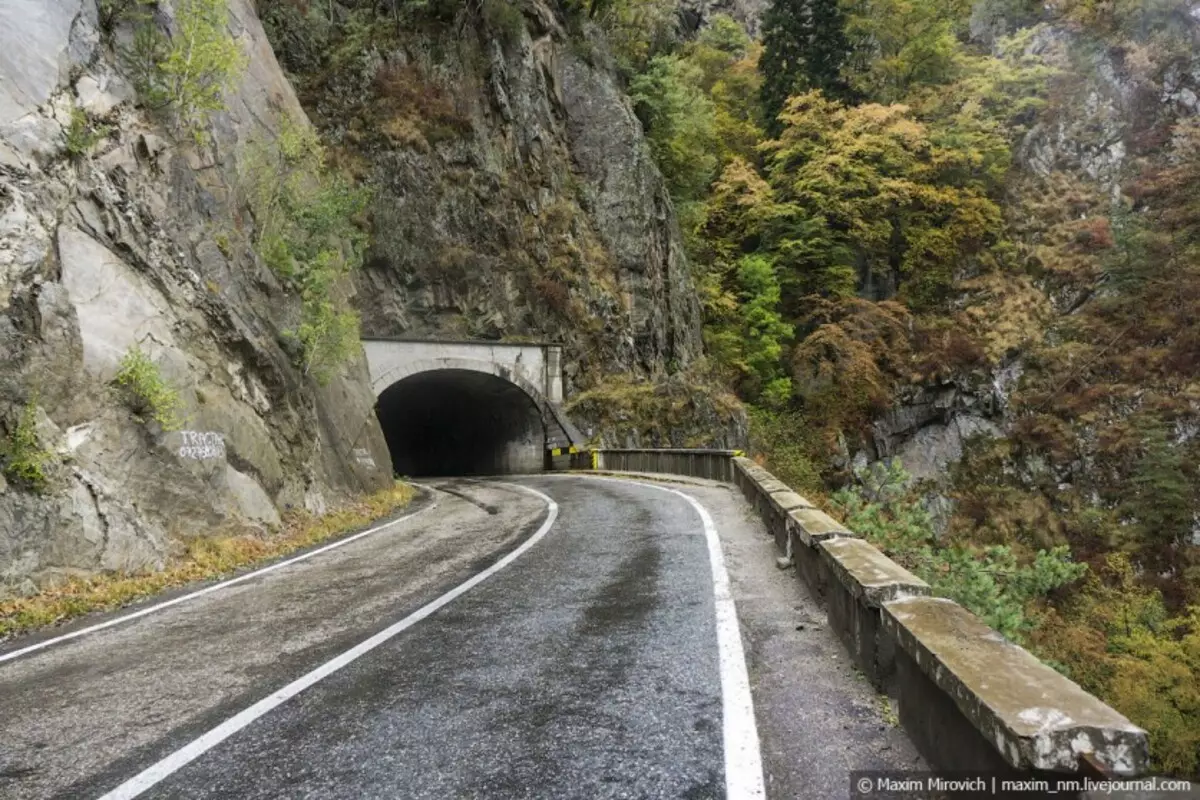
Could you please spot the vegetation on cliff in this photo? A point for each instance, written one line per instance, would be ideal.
(26, 461)
(185, 71)
(147, 393)
(871, 228)
(309, 234)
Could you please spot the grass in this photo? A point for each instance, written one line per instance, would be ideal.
(205, 558)
(147, 392)
(888, 711)
(82, 135)
(25, 461)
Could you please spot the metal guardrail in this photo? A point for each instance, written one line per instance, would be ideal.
(714, 465)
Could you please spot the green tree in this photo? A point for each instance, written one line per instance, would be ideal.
(189, 70)
(804, 48)
(308, 234)
(865, 190)
(786, 29)
(1161, 493)
(726, 34)
(750, 342)
(899, 45)
(637, 30)
(717, 48)
(679, 119)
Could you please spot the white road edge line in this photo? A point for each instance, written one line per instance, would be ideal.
(208, 589)
(743, 758)
(190, 752)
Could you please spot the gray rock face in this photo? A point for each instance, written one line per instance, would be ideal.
(144, 241)
(934, 448)
(36, 52)
(520, 201)
(697, 13)
(630, 208)
(1108, 106)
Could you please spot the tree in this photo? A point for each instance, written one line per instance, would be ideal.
(828, 50)
(866, 191)
(804, 47)
(190, 70)
(899, 45)
(717, 48)
(637, 30)
(307, 217)
(1161, 494)
(786, 28)
(750, 341)
(678, 118)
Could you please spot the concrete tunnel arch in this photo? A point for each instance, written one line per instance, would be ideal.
(458, 416)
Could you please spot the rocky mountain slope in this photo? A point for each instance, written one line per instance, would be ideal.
(133, 239)
(516, 196)
(516, 199)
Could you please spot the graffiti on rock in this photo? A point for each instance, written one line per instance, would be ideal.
(202, 445)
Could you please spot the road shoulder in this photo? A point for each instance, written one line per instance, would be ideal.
(818, 718)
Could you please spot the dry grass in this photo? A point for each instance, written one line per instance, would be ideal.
(205, 558)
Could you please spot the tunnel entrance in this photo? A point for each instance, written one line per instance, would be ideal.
(459, 422)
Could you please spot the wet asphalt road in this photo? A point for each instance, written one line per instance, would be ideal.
(587, 668)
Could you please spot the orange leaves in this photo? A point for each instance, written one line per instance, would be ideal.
(844, 369)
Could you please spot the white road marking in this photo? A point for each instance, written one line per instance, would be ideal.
(207, 590)
(188, 753)
(743, 758)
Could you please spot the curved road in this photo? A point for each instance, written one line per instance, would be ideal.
(573, 649)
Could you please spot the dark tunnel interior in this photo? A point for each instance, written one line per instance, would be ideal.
(458, 422)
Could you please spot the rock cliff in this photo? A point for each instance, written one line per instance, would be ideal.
(139, 240)
(517, 197)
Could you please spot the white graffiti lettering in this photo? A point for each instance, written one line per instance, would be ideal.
(363, 457)
(202, 445)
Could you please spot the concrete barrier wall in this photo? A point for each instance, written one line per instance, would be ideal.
(968, 698)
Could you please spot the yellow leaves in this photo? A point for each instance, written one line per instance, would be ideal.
(1118, 642)
(885, 189)
(1005, 311)
(739, 202)
(842, 371)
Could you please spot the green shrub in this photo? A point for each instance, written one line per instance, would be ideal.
(1118, 640)
(679, 120)
(636, 30)
(790, 446)
(189, 71)
(308, 236)
(505, 18)
(989, 581)
(114, 12)
(147, 393)
(82, 136)
(25, 461)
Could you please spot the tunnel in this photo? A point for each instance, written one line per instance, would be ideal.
(459, 422)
